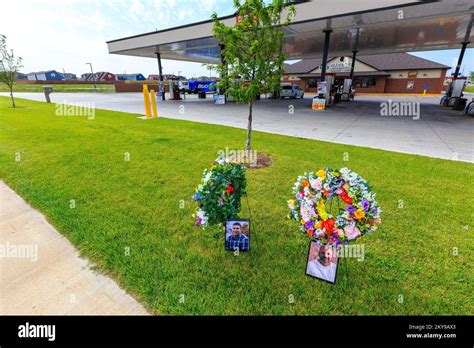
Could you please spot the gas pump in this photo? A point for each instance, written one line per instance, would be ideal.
(324, 90)
(171, 86)
(174, 90)
(348, 91)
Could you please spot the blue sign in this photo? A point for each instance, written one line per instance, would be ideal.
(203, 86)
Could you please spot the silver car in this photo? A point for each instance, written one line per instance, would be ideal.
(291, 91)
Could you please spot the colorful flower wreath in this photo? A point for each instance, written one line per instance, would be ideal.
(218, 195)
(358, 215)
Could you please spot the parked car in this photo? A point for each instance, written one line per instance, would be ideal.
(291, 91)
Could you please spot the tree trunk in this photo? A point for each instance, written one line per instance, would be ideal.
(13, 99)
(248, 146)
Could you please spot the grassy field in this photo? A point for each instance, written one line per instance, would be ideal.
(419, 261)
(71, 88)
(469, 89)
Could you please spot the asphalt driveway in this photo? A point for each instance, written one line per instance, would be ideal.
(437, 132)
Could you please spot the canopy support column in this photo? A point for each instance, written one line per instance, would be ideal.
(354, 55)
(327, 38)
(160, 74)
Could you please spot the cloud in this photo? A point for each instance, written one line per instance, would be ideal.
(56, 34)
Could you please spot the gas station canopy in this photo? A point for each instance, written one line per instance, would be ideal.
(366, 26)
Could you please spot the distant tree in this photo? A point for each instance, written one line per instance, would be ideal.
(252, 51)
(9, 66)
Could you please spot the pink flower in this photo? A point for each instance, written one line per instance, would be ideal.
(317, 184)
(352, 232)
(306, 213)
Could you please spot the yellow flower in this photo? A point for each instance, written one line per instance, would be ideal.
(291, 203)
(321, 173)
(302, 222)
(321, 208)
(346, 187)
(359, 214)
(318, 225)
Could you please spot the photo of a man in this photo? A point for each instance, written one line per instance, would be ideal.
(322, 262)
(237, 235)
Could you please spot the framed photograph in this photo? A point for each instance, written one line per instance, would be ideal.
(410, 84)
(322, 262)
(237, 235)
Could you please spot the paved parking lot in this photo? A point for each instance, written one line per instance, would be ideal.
(438, 132)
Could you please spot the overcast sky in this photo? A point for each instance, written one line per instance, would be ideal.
(66, 34)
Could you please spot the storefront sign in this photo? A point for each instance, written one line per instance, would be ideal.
(339, 67)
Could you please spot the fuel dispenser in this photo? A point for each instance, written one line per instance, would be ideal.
(348, 91)
(171, 86)
(325, 89)
(174, 90)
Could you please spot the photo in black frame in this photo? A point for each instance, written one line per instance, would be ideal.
(322, 262)
(237, 235)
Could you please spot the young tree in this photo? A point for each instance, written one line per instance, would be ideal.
(252, 51)
(9, 66)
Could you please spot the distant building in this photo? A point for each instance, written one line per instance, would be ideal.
(130, 77)
(20, 76)
(50, 75)
(101, 76)
(69, 76)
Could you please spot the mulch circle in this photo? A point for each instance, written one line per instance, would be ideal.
(263, 161)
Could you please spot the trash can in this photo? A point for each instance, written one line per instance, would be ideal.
(202, 95)
(47, 90)
(176, 94)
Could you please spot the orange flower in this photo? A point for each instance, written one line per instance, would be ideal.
(359, 214)
(305, 183)
(310, 233)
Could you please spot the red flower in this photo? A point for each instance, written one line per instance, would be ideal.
(346, 198)
(230, 189)
(329, 225)
(326, 192)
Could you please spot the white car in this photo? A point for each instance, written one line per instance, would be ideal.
(291, 91)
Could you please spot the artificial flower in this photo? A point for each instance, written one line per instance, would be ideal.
(321, 173)
(359, 214)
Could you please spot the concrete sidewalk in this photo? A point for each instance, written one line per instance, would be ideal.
(42, 274)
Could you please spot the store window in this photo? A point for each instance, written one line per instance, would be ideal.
(365, 82)
(313, 83)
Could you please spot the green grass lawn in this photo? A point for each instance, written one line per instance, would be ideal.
(136, 204)
(469, 89)
(69, 88)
